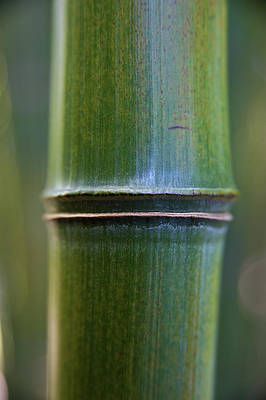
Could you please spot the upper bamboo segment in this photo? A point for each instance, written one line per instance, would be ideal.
(139, 102)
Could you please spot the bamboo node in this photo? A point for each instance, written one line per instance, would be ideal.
(194, 215)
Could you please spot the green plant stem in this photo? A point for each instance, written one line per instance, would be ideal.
(139, 125)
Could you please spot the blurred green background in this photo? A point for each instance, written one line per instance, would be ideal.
(241, 372)
(25, 36)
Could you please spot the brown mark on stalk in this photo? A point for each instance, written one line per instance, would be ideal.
(178, 127)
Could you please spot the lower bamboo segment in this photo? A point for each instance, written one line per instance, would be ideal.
(133, 306)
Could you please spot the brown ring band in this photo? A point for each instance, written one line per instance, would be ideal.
(196, 215)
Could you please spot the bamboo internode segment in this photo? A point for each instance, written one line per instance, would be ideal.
(139, 98)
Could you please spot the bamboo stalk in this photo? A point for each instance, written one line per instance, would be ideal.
(138, 137)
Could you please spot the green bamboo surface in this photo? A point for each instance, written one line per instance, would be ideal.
(133, 309)
(139, 98)
(138, 124)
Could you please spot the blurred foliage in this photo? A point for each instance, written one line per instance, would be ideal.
(242, 331)
(25, 47)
